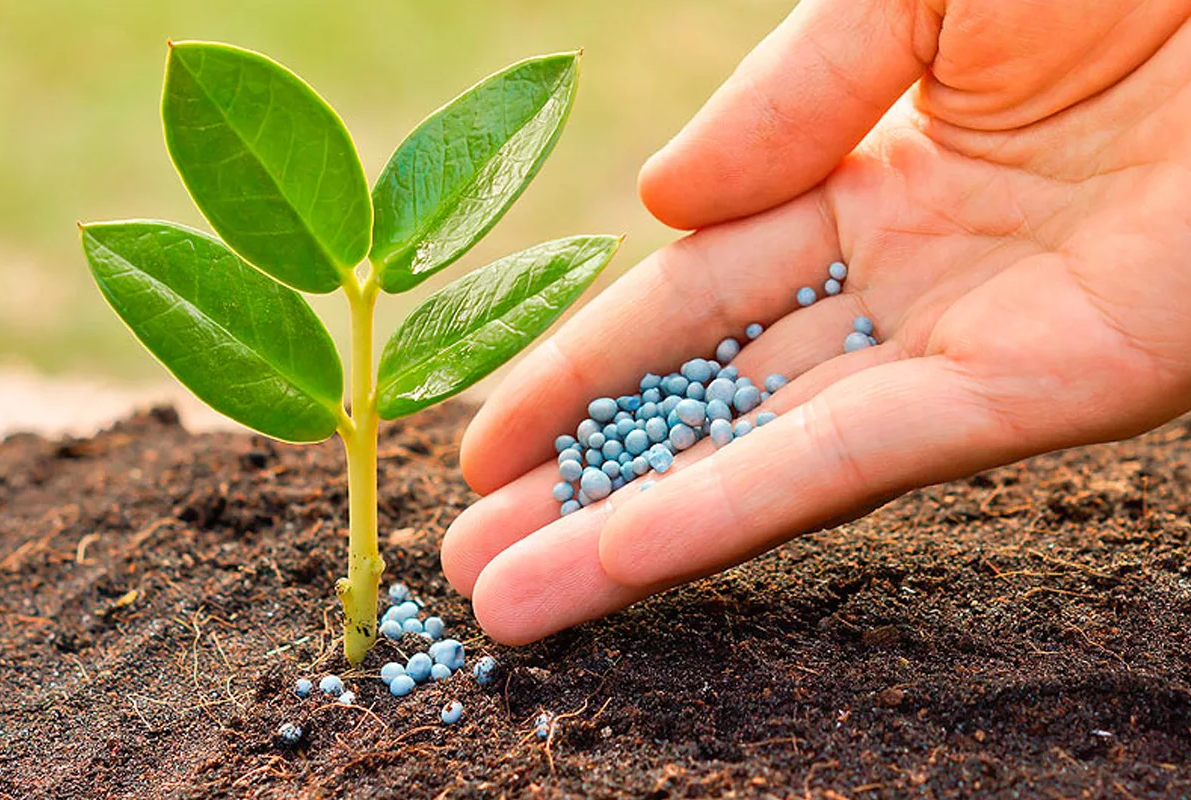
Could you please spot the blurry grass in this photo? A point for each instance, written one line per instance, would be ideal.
(80, 136)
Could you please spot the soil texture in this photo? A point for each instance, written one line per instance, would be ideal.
(1020, 634)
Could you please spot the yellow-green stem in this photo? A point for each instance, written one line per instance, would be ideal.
(358, 591)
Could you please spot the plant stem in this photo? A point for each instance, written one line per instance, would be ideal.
(358, 591)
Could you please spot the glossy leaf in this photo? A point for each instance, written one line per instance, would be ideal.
(455, 176)
(472, 326)
(268, 162)
(246, 345)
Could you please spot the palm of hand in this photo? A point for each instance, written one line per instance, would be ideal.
(1030, 280)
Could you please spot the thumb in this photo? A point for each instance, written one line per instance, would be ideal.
(800, 102)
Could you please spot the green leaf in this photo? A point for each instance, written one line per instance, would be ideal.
(455, 176)
(268, 162)
(246, 345)
(472, 326)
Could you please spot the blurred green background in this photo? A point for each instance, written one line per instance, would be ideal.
(80, 136)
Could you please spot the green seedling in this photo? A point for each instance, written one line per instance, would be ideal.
(273, 169)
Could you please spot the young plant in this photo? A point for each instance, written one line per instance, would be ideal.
(273, 169)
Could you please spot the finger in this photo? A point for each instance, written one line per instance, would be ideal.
(493, 523)
(866, 438)
(675, 305)
(792, 110)
(549, 581)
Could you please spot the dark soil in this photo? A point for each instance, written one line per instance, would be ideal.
(1020, 634)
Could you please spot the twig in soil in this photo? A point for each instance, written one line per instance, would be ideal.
(16, 559)
(1034, 651)
(549, 742)
(196, 623)
(80, 552)
(1052, 590)
(794, 740)
(1096, 645)
(1072, 564)
(368, 712)
(139, 538)
(446, 791)
(267, 768)
(324, 647)
(867, 787)
(231, 673)
(197, 620)
(25, 619)
(1028, 573)
(810, 773)
(1145, 498)
(568, 715)
(272, 562)
(205, 704)
(1120, 788)
(136, 708)
(412, 731)
(287, 646)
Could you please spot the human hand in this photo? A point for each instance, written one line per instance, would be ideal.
(1018, 226)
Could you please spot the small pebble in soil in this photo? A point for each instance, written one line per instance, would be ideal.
(485, 670)
(543, 724)
(418, 667)
(440, 672)
(398, 593)
(391, 670)
(289, 734)
(403, 611)
(391, 629)
(451, 712)
(434, 626)
(303, 687)
(347, 698)
(449, 653)
(331, 684)
(402, 685)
